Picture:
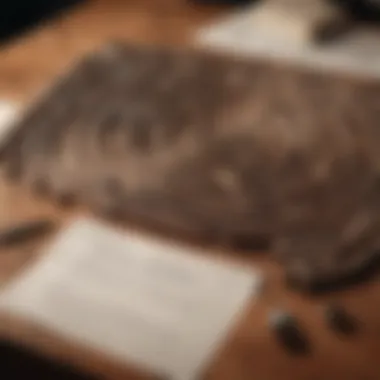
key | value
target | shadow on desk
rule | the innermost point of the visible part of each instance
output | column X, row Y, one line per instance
column 19, row 16
column 19, row 363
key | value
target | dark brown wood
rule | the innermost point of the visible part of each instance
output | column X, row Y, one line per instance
column 25, row 232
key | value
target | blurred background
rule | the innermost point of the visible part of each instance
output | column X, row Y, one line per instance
column 40, row 38
column 18, row 15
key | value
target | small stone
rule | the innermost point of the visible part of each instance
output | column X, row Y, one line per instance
column 339, row 320
column 288, row 332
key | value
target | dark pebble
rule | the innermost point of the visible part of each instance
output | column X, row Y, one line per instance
column 339, row 320
column 288, row 332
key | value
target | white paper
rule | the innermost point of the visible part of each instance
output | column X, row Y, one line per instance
column 358, row 52
column 8, row 113
column 147, row 302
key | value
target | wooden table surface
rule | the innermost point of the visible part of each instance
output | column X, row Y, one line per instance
column 30, row 64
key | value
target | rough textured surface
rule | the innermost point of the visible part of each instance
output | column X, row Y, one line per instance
column 229, row 152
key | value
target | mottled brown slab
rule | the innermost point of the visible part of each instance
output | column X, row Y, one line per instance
column 226, row 151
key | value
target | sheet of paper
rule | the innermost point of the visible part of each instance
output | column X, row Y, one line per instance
column 8, row 113
column 147, row 302
column 293, row 21
column 357, row 52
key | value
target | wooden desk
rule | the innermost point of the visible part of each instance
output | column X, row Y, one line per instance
column 34, row 60
column 252, row 352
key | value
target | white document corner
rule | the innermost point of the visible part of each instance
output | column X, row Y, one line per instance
column 8, row 113
column 358, row 52
column 143, row 301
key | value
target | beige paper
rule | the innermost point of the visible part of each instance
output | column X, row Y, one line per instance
column 147, row 302
column 241, row 33
column 8, row 113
